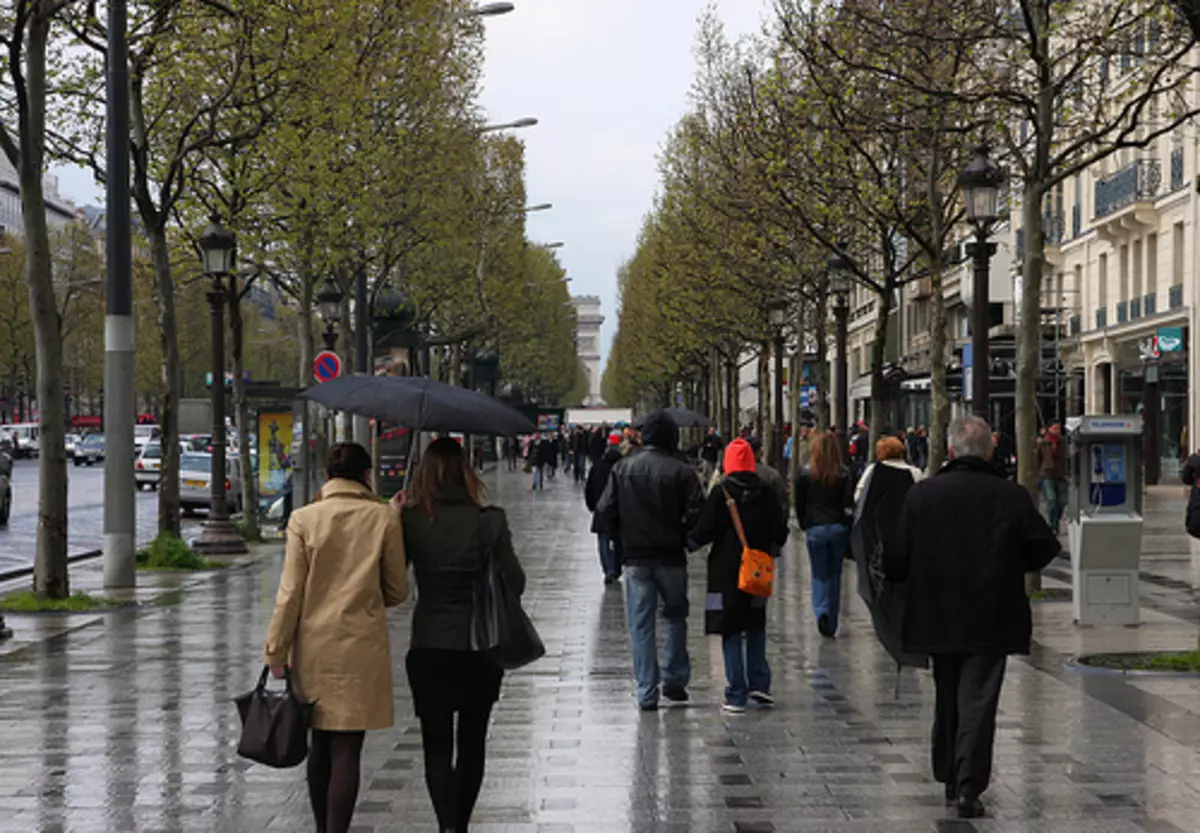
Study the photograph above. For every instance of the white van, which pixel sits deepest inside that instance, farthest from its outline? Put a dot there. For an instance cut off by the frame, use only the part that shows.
(25, 437)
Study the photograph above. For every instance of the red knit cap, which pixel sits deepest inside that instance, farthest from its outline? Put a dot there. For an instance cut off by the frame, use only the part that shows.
(739, 456)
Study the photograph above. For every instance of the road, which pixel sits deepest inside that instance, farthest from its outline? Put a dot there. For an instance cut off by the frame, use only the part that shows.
(85, 516)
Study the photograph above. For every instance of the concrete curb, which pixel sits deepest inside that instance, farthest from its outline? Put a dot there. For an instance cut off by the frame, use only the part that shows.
(28, 571)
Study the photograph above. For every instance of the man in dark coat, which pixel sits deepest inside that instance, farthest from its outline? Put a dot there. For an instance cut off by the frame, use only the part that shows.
(597, 480)
(1190, 475)
(964, 542)
(651, 503)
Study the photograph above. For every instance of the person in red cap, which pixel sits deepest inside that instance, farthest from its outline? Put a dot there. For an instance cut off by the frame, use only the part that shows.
(739, 618)
(597, 479)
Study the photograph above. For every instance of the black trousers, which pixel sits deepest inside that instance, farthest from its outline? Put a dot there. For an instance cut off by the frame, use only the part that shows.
(964, 723)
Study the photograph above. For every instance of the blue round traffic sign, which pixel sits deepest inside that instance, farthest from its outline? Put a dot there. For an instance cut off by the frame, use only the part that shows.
(327, 366)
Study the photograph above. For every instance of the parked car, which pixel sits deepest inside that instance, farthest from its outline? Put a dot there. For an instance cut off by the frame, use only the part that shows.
(195, 481)
(145, 470)
(25, 437)
(90, 451)
(72, 442)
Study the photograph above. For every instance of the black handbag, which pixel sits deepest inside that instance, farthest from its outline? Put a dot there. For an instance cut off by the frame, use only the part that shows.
(500, 629)
(274, 724)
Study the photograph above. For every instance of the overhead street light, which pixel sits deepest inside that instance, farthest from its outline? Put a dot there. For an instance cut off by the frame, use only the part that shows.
(557, 244)
(490, 10)
(528, 121)
(544, 206)
(777, 311)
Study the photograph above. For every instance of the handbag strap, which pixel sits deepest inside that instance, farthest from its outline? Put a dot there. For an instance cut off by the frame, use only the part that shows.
(486, 544)
(736, 517)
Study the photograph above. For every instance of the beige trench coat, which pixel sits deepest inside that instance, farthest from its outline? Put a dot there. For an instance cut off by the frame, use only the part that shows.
(344, 565)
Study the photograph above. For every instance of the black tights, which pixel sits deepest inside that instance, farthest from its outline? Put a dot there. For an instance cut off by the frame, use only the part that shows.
(334, 771)
(454, 783)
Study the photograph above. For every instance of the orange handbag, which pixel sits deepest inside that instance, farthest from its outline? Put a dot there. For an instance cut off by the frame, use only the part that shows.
(757, 574)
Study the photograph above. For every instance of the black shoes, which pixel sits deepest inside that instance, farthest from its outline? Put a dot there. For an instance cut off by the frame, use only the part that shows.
(969, 807)
(823, 625)
(951, 794)
(610, 580)
(675, 694)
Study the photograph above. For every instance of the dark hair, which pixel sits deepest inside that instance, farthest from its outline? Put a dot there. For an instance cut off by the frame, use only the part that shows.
(348, 461)
(443, 465)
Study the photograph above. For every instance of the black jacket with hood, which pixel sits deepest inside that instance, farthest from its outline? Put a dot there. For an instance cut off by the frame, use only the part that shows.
(727, 609)
(652, 499)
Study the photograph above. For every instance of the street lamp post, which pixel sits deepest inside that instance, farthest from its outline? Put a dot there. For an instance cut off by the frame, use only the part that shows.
(839, 285)
(329, 307)
(777, 312)
(218, 536)
(980, 183)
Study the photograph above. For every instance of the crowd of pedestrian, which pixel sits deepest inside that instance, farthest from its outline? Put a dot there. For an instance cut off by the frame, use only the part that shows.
(947, 550)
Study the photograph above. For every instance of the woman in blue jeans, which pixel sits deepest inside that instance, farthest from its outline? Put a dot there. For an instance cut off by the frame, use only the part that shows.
(739, 618)
(824, 506)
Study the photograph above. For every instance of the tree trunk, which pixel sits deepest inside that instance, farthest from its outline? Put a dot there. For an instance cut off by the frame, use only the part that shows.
(766, 428)
(821, 329)
(168, 421)
(50, 559)
(883, 309)
(1028, 348)
(794, 382)
(939, 397)
(242, 414)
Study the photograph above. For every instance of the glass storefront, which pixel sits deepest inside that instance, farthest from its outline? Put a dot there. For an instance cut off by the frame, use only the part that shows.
(1173, 407)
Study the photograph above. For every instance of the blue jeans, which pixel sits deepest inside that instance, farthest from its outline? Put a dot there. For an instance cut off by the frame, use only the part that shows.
(538, 477)
(1055, 493)
(751, 673)
(644, 586)
(827, 546)
(610, 555)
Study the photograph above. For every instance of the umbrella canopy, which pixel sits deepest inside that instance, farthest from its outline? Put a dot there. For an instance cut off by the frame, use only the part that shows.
(682, 417)
(420, 404)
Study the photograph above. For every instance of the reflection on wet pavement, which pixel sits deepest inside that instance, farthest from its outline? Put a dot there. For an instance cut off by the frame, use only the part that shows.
(124, 723)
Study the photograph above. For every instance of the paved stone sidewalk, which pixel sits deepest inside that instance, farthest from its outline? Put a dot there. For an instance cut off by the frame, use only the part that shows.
(124, 722)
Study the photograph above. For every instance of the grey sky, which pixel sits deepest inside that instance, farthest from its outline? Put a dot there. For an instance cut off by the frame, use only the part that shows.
(607, 80)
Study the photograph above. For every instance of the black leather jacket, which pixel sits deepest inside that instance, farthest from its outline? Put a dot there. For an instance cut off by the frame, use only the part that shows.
(819, 505)
(652, 499)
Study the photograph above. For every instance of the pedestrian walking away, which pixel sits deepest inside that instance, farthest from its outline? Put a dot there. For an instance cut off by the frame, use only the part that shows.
(824, 497)
(1189, 473)
(651, 503)
(739, 618)
(345, 561)
(770, 477)
(1052, 468)
(597, 480)
(449, 535)
(964, 542)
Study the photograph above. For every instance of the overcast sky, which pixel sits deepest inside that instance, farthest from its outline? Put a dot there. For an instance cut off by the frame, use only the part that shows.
(607, 79)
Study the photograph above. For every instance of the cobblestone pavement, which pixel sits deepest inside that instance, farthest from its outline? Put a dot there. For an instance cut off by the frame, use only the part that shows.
(124, 723)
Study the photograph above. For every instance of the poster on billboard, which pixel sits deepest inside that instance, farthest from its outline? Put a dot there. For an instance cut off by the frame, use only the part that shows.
(274, 445)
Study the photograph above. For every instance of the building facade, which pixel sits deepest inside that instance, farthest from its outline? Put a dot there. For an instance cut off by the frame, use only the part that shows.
(59, 210)
(588, 324)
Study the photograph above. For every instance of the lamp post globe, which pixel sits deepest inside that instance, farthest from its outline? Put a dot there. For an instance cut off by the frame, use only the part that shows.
(217, 247)
(980, 182)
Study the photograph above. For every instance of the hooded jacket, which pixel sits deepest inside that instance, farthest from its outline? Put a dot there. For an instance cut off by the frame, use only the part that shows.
(652, 500)
(597, 480)
(728, 610)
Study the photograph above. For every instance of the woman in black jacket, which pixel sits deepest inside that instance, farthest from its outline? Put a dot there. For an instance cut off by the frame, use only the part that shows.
(740, 619)
(447, 535)
(597, 480)
(824, 500)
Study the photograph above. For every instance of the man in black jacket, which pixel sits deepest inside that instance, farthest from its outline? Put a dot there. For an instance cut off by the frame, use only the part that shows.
(964, 542)
(651, 502)
(597, 480)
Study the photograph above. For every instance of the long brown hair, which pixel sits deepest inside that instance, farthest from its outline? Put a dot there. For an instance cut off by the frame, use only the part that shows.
(443, 468)
(825, 461)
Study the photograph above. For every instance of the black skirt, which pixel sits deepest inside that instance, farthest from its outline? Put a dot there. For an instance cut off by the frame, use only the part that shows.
(451, 681)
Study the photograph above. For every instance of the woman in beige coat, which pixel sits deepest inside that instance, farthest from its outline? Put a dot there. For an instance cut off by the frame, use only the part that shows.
(344, 564)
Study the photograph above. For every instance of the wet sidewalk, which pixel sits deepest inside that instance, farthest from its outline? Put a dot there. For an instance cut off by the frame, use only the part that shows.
(123, 722)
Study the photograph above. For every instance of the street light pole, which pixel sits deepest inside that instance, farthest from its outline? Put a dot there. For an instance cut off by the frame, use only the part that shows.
(777, 312)
(980, 183)
(839, 285)
(361, 352)
(120, 520)
(218, 536)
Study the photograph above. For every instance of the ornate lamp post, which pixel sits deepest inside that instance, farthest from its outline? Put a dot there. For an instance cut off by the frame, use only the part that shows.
(329, 307)
(980, 183)
(777, 314)
(839, 285)
(218, 536)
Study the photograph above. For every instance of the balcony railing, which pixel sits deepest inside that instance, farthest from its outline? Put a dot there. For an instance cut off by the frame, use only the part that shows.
(1135, 309)
(1138, 181)
(1176, 169)
(1176, 296)
(1076, 220)
(1076, 325)
(1122, 312)
(1101, 319)
(1149, 303)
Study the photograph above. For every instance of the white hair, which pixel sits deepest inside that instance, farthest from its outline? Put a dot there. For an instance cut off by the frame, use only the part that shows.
(971, 436)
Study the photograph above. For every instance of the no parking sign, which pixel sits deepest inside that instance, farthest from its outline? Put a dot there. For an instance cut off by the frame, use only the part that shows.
(327, 366)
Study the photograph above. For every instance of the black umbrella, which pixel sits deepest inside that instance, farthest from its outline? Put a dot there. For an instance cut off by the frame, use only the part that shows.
(682, 417)
(420, 404)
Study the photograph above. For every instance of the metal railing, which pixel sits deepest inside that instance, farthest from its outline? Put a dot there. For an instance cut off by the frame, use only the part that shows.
(1176, 169)
(1137, 181)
